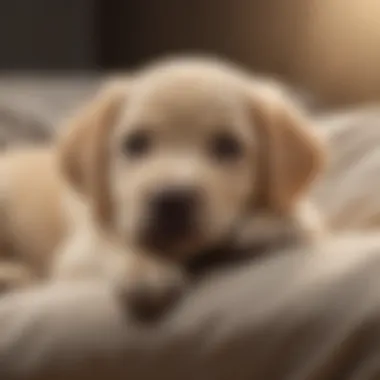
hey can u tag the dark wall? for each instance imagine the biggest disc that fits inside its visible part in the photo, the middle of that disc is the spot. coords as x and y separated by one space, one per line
47 34
109 34
328 46
135 31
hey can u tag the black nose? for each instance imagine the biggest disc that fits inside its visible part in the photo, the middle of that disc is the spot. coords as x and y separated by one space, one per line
173 211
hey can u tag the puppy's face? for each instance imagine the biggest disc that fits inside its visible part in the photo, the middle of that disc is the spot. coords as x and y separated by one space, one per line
182 162
177 155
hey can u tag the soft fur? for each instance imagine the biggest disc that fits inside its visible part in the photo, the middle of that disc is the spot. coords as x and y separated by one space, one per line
77 209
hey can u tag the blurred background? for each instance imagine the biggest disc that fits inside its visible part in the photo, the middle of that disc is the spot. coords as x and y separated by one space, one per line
52 49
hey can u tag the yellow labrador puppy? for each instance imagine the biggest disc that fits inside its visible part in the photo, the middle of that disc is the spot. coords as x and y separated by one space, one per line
159 167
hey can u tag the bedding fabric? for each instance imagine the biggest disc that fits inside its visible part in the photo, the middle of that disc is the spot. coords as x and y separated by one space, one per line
297 315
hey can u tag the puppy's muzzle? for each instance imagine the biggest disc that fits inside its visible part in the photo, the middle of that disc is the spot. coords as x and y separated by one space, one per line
172 213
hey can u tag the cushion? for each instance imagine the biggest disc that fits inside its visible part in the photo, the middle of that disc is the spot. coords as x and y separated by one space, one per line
32 108
348 193
311 314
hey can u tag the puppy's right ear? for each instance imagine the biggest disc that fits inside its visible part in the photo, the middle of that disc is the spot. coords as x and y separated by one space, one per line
83 148
292 154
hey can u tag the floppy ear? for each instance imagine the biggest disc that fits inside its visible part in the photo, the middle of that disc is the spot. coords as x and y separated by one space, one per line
83 156
292 153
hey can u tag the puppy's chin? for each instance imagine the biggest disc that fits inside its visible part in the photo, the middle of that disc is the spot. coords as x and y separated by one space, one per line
175 248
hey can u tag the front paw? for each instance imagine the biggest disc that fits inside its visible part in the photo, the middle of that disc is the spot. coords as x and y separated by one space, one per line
148 299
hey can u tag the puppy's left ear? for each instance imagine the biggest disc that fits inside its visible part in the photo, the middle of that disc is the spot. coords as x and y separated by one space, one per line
83 155
292 153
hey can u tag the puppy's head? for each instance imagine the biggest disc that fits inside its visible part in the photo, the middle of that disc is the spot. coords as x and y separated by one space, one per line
172 158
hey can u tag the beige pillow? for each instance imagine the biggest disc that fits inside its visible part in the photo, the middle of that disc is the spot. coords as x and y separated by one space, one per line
349 192
311 314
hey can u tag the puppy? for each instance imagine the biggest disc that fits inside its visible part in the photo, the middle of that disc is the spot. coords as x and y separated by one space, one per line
160 167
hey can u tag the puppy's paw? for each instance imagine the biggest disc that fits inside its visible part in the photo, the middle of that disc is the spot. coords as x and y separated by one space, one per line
148 299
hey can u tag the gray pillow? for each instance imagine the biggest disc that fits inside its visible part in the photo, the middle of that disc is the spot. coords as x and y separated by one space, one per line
21 126
32 108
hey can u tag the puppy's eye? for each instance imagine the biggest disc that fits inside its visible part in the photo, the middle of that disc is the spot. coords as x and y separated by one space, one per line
137 144
225 147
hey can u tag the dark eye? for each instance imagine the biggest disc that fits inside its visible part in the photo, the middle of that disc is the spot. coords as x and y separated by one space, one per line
137 144
225 147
